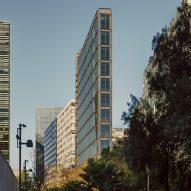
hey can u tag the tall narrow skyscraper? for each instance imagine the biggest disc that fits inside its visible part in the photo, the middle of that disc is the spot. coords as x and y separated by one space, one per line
5 89
94 89
43 118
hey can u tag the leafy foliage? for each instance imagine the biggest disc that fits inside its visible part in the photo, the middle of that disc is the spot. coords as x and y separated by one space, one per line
75 185
102 175
160 129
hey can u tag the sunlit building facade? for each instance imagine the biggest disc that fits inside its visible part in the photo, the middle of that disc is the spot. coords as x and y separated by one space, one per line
94 89
117 134
66 136
5 89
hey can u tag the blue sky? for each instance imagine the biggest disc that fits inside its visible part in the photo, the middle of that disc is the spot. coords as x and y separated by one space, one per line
45 36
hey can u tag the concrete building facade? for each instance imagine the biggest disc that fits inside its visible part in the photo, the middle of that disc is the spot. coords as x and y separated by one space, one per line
66 136
118 133
8 181
94 89
5 89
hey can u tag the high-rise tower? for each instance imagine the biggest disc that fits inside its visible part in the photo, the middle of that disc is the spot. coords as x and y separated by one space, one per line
43 118
94 89
5 89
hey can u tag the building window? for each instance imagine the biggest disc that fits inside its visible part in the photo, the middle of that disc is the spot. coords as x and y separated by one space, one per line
105 53
105 85
104 21
105 130
105 115
105 100
104 144
105 68
104 37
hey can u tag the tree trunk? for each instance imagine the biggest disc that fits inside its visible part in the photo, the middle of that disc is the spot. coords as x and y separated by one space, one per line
148 177
167 169
148 182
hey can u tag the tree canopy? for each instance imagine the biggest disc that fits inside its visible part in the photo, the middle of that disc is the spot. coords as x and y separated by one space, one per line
159 141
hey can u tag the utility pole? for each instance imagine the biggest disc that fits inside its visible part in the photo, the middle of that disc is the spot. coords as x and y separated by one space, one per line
29 143
18 136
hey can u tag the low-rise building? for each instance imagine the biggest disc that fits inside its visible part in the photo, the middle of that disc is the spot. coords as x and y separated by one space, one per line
117 133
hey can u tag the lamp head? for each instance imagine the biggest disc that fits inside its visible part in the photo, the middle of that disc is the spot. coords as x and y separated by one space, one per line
22 125
29 143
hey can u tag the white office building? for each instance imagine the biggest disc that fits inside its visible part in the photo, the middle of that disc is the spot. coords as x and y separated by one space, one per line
66 136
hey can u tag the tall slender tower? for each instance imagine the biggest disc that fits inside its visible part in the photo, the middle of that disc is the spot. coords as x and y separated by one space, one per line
43 118
5 89
94 89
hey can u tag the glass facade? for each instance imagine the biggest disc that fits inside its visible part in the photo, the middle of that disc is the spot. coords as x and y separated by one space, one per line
105 84
105 99
105 68
50 151
43 119
105 53
50 144
105 115
105 37
5 89
105 21
93 88
105 144
105 130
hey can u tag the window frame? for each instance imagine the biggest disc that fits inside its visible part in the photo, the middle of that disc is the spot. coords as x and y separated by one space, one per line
105 84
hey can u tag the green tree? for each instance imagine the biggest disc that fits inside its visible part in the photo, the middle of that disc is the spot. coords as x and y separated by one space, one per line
75 185
102 175
142 145
159 139
170 86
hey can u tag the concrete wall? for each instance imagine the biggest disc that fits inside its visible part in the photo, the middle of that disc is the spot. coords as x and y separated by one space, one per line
8 181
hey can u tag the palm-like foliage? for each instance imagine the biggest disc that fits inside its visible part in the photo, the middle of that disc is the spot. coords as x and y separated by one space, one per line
102 175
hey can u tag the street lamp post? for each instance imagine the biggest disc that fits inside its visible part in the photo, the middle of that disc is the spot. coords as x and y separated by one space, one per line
29 143
25 170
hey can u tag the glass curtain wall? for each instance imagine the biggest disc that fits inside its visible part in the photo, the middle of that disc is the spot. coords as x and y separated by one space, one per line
93 89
